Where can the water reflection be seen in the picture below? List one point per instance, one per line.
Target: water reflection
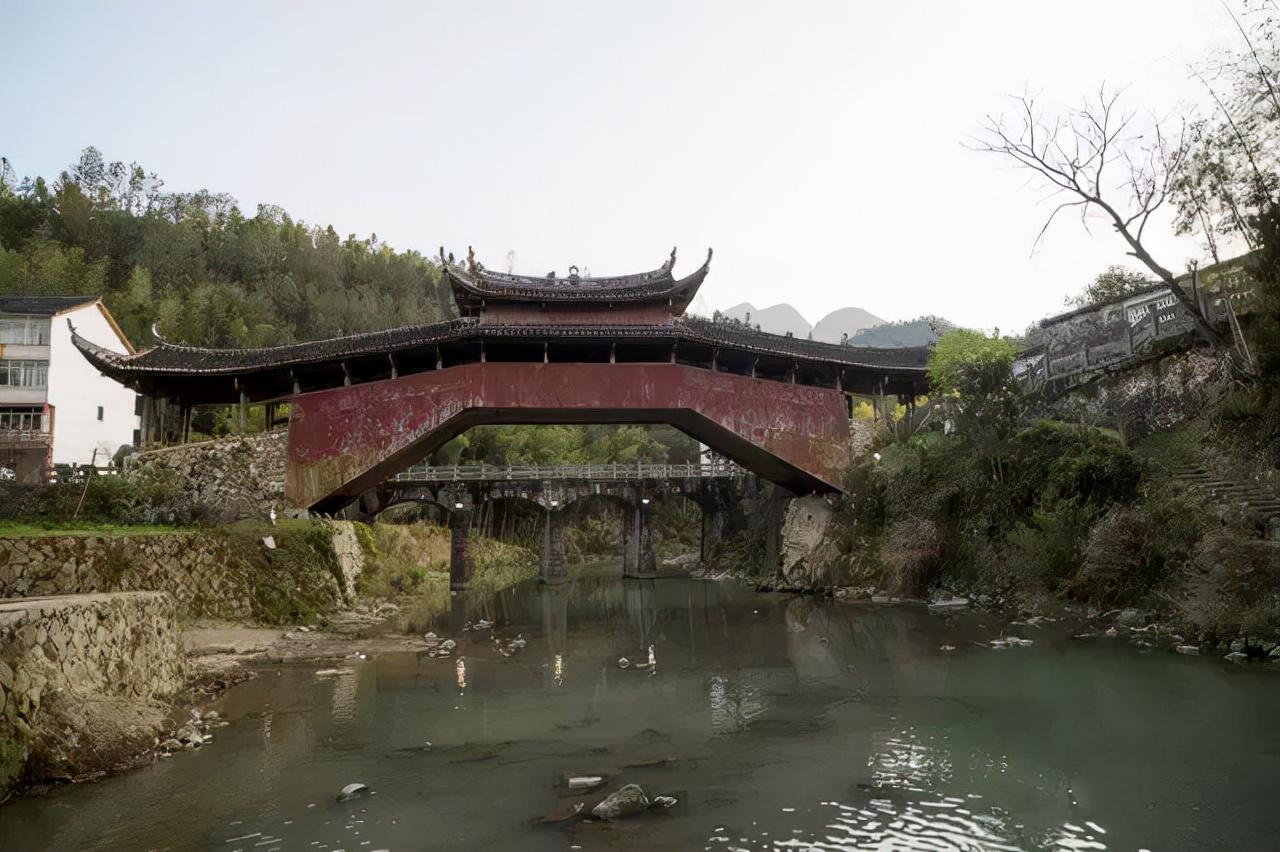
(778, 722)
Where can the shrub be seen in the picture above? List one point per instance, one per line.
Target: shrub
(1056, 461)
(1125, 560)
(368, 544)
(864, 503)
(1048, 549)
(912, 552)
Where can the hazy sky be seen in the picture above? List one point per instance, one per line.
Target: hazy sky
(817, 146)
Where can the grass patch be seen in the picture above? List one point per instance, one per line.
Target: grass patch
(24, 529)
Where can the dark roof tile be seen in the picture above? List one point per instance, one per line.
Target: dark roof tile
(42, 305)
(168, 359)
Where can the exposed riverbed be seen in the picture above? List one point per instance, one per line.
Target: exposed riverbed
(776, 721)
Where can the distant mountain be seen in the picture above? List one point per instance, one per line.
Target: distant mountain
(863, 327)
(916, 332)
(850, 321)
(777, 319)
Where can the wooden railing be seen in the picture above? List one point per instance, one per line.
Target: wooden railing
(597, 472)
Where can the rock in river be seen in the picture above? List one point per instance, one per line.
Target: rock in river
(628, 801)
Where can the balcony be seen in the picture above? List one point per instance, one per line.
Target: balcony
(25, 429)
(24, 439)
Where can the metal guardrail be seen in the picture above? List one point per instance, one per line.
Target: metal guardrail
(593, 472)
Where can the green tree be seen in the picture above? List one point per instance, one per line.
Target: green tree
(972, 375)
(216, 276)
(1114, 282)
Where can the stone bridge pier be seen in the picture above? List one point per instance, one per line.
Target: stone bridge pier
(638, 557)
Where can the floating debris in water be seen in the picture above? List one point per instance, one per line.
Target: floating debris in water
(946, 647)
(664, 802)
(351, 791)
(624, 663)
(334, 672)
(585, 782)
(511, 646)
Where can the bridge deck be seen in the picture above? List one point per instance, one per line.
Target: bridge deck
(613, 472)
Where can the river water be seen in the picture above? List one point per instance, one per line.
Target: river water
(777, 722)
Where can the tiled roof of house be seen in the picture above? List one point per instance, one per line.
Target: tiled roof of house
(42, 305)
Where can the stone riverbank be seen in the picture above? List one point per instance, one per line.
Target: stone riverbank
(83, 680)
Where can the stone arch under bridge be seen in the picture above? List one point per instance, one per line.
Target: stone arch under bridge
(558, 499)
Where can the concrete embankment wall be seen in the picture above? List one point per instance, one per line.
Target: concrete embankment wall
(74, 650)
(199, 571)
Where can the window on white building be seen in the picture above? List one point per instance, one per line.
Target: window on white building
(24, 374)
(99, 412)
(24, 330)
(21, 420)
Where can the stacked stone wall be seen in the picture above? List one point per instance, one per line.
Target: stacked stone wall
(73, 649)
(350, 556)
(1152, 397)
(199, 571)
(226, 479)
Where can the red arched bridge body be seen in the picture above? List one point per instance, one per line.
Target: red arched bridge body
(529, 349)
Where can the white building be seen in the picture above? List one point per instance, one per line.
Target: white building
(55, 408)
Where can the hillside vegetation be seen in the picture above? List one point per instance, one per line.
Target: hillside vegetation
(193, 263)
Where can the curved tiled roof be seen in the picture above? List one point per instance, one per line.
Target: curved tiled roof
(473, 282)
(42, 305)
(172, 360)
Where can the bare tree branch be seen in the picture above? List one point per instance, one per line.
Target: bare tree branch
(1072, 153)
